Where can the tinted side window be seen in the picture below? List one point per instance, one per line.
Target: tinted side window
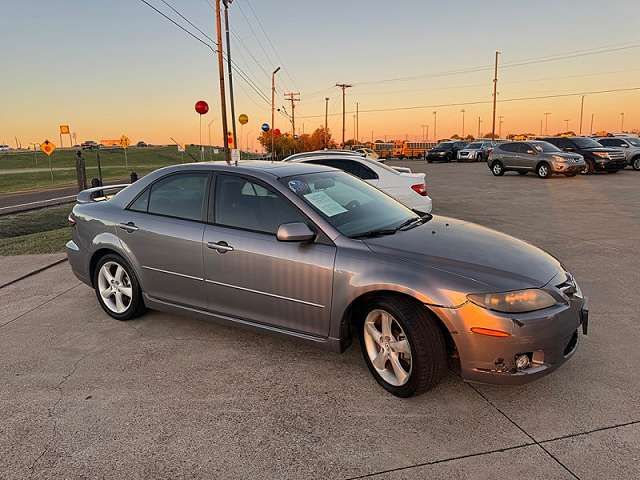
(354, 168)
(180, 196)
(612, 142)
(142, 202)
(510, 147)
(240, 203)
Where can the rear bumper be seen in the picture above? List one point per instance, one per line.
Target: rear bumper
(549, 337)
(79, 266)
(418, 202)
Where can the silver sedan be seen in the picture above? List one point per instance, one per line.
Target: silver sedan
(315, 253)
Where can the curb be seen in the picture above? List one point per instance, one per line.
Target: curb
(35, 272)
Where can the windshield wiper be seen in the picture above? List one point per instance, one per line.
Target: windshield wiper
(410, 222)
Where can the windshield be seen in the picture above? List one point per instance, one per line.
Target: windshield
(350, 205)
(583, 142)
(473, 146)
(634, 141)
(546, 147)
(444, 145)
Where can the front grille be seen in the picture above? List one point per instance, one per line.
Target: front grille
(616, 155)
(568, 287)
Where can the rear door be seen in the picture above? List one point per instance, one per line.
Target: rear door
(527, 156)
(510, 154)
(250, 275)
(162, 230)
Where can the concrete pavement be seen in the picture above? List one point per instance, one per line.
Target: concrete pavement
(164, 396)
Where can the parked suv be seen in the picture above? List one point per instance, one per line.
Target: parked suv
(533, 156)
(597, 157)
(475, 152)
(630, 147)
(445, 151)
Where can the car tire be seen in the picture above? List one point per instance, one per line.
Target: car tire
(411, 329)
(589, 168)
(543, 170)
(117, 288)
(497, 168)
(635, 163)
(523, 173)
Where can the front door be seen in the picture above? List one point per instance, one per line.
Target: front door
(162, 231)
(250, 275)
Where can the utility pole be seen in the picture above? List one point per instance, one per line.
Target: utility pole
(462, 122)
(591, 128)
(326, 118)
(546, 122)
(621, 122)
(566, 125)
(495, 95)
(540, 127)
(500, 118)
(435, 124)
(231, 101)
(223, 101)
(273, 107)
(423, 128)
(293, 97)
(358, 122)
(355, 120)
(343, 86)
(479, 122)
(581, 113)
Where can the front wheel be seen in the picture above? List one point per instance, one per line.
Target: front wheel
(117, 288)
(543, 170)
(589, 168)
(635, 163)
(497, 168)
(403, 347)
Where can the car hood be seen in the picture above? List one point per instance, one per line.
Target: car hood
(601, 149)
(571, 156)
(485, 260)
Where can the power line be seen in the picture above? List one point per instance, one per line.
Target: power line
(483, 102)
(235, 67)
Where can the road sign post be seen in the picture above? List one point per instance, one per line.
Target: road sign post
(48, 148)
(81, 171)
(124, 143)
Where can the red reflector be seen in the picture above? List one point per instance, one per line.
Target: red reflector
(420, 189)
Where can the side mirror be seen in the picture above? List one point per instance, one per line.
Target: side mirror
(295, 232)
(531, 152)
(569, 149)
(624, 145)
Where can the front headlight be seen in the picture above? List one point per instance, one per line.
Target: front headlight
(558, 158)
(514, 302)
(601, 154)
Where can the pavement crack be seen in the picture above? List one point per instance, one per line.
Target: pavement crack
(588, 432)
(514, 423)
(443, 460)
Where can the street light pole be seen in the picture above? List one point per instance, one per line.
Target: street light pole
(462, 122)
(621, 122)
(479, 122)
(231, 100)
(500, 118)
(273, 107)
(343, 86)
(566, 125)
(581, 113)
(223, 102)
(209, 127)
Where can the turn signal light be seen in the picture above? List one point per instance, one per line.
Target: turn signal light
(71, 220)
(420, 189)
(490, 332)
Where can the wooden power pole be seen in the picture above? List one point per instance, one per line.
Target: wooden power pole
(343, 86)
(223, 102)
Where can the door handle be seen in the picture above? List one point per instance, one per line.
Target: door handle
(221, 246)
(128, 227)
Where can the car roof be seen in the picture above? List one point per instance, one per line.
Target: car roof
(323, 152)
(276, 169)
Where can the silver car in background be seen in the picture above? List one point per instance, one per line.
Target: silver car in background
(477, 151)
(314, 253)
(536, 156)
(629, 145)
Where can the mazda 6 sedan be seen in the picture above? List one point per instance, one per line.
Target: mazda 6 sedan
(315, 253)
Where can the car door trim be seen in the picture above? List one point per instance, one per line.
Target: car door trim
(260, 292)
(183, 275)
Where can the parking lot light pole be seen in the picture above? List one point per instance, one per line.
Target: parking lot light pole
(566, 125)
(326, 120)
(462, 122)
(581, 113)
(479, 122)
(621, 122)
(500, 118)
(591, 128)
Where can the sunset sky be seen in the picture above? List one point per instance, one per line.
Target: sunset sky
(117, 67)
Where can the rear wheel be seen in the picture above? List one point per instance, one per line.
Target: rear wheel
(117, 288)
(543, 170)
(497, 168)
(402, 345)
(635, 163)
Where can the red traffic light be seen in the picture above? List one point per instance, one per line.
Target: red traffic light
(202, 107)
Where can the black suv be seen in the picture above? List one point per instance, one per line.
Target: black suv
(597, 157)
(445, 151)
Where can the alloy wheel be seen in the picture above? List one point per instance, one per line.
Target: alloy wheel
(497, 168)
(388, 347)
(543, 171)
(636, 163)
(115, 287)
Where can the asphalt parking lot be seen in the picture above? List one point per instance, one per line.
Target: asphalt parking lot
(85, 396)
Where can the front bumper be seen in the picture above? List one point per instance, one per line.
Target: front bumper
(549, 337)
(564, 168)
(605, 165)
